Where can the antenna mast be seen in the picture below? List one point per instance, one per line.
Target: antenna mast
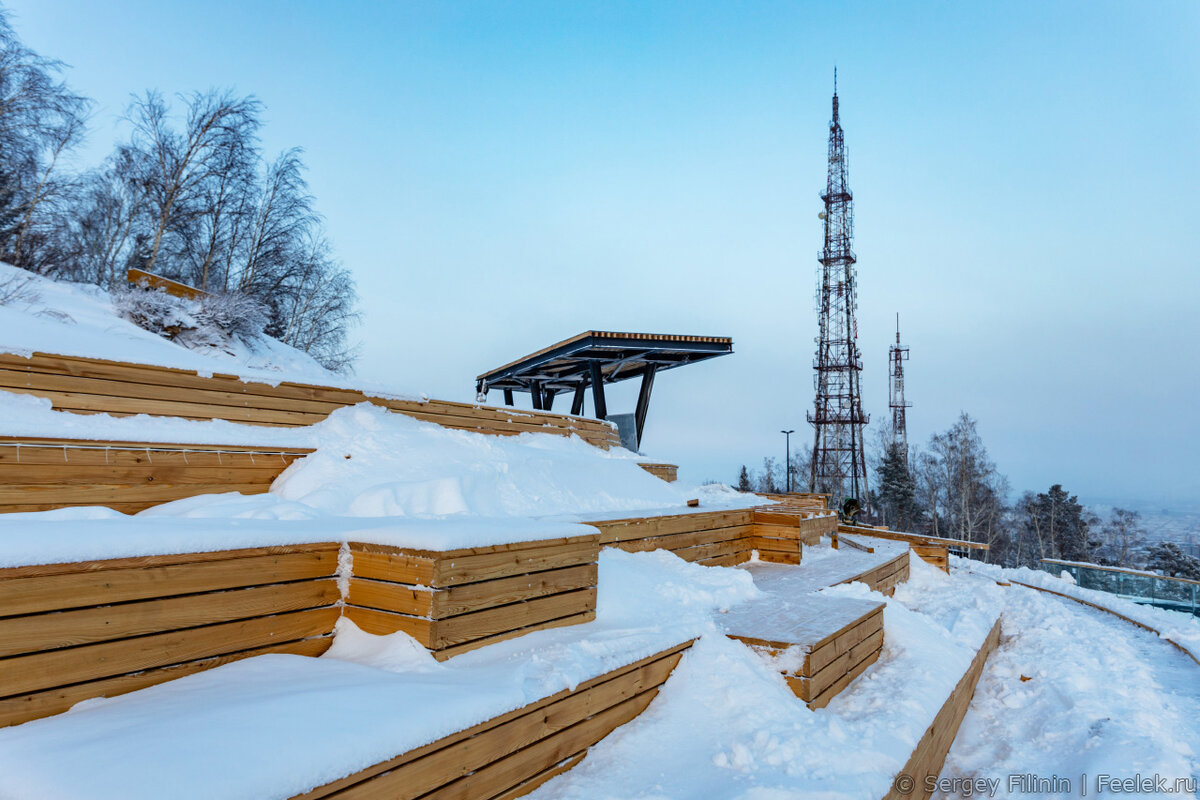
(838, 464)
(897, 355)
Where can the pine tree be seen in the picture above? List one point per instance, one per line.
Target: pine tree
(1169, 559)
(896, 492)
(743, 484)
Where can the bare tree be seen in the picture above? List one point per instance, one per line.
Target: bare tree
(178, 165)
(41, 121)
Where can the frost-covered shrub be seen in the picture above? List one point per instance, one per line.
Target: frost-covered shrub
(232, 314)
(213, 321)
(153, 310)
(18, 289)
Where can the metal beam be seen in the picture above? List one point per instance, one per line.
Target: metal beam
(508, 397)
(601, 408)
(643, 403)
(548, 398)
(535, 389)
(577, 403)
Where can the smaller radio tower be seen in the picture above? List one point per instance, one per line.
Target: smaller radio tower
(897, 355)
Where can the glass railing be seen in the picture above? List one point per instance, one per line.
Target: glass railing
(1176, 594)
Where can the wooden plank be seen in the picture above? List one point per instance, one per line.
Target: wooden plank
(911, 538)
(821, 657)
(511, 770)
(612, 531)
(707, 551)
(729, 560)
(383, 623)
(811, 686)
(22, 708)
(470, 597)
(400, 598)
(823, 699)
(930, 753)
(75, 474)
(168, 376)
(395, 567)
(41, 632)
(680, 541)
(773, 557)
(99, 494)
(29, 673)
(529, 785)
(493, 621)
(140, 277)
(488, 566)
(38, 593)
(392, 778)
(474, 644)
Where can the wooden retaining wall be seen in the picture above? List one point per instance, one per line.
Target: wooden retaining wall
(668, 472)
(886, 577)
(41, 474)
(90, 385)
(809, 525)
(457, 600)
(931, 549)
(930, 753)
(69, 632)
(513, 754)
(712, 538)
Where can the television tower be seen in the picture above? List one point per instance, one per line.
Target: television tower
(897, 355)
(839, 465)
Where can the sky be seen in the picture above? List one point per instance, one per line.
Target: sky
(500, 176)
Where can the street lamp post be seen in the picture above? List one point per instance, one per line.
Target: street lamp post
(787, 458)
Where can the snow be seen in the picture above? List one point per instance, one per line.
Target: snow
(1077, 693)
(377, 477)
(1179, 627)
(78, 319)
(727, 726)
(275, 726)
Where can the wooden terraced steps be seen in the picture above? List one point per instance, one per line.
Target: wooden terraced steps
(69, 632)
(511, 755)
(834, 639)
(43, 474)
(931, 549)
(719, 538)
(91, 385)
(930, 753)
(457, 600)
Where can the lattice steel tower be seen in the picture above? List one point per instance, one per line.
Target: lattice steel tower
(838, 463)
(897, 355)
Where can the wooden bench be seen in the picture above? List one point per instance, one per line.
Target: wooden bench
(73, 631)
(42, 474)
(91, 385)
(457, 600)
(825, 642)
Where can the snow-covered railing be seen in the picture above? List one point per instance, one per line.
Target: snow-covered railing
(932, 549)
(91, 385)
(1175, 594)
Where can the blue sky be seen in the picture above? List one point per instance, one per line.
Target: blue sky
(503, 175)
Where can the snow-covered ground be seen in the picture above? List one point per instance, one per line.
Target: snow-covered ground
(1071, 692)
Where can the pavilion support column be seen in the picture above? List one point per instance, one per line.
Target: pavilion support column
(548, 399)
(577, 403)
(535, 389)
(508, 398)
(598, 390)
(643, 403)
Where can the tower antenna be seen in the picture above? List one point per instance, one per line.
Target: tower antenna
(897, 355)
(839, 465)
